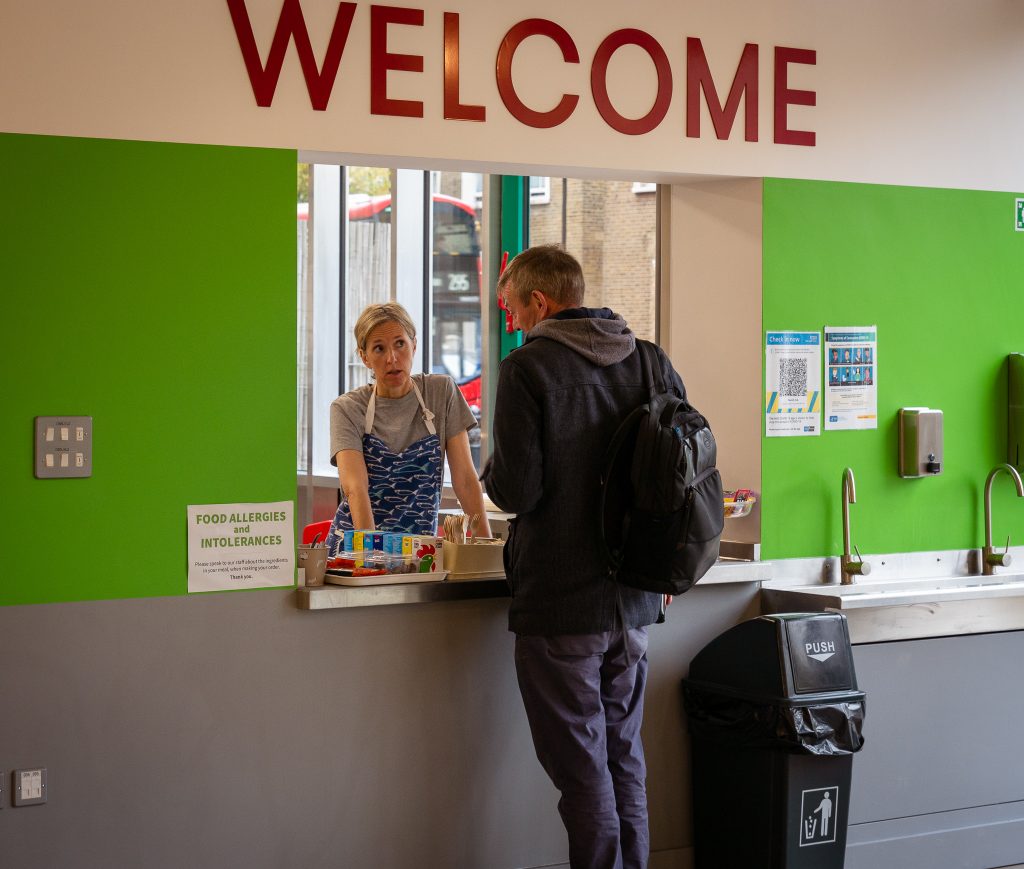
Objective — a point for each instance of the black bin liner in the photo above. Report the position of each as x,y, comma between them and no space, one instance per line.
829,728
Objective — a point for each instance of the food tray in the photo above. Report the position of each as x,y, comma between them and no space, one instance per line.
333,577
737,509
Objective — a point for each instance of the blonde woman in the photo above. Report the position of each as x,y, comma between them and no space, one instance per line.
389,439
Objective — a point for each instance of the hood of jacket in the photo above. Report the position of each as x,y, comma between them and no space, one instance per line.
598,334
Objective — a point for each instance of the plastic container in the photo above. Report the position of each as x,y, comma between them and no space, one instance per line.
735,509
392,554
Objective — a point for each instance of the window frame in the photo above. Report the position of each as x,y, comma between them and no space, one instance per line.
540,194
317,485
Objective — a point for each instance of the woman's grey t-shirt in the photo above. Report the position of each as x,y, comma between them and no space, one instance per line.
399,421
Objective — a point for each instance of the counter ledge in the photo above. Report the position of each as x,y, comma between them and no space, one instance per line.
467,588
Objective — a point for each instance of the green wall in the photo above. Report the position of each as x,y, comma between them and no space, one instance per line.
939,271
152,287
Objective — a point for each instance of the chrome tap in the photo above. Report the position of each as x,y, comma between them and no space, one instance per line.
989,559
850,568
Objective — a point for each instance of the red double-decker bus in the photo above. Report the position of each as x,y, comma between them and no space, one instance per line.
456,276
456,279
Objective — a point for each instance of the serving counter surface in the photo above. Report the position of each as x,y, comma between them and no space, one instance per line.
735,565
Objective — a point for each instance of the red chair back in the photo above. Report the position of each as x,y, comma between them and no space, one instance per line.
311,530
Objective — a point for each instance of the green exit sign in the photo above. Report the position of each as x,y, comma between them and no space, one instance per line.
1020,215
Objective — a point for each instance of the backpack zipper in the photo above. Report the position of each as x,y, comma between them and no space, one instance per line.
691,496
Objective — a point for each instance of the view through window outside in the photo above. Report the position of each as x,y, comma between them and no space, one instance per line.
451,286
609,226
367,260
457,287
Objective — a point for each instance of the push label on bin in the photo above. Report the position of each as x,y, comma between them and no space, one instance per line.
819,654
820,651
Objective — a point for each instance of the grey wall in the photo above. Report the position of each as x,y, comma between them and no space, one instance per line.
940,781
234,730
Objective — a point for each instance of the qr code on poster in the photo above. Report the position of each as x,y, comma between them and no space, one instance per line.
793,377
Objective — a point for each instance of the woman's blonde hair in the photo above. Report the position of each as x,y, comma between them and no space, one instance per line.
378,314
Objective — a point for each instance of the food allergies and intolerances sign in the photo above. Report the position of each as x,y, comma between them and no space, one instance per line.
235,546
851,362
792,388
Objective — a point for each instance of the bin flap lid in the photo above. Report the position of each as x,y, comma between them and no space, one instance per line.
782,656
819,654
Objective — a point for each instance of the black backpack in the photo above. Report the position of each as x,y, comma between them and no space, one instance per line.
661,494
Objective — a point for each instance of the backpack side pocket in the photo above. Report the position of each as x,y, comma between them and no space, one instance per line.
697,548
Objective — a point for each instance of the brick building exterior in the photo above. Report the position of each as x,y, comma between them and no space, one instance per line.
612,231
610,228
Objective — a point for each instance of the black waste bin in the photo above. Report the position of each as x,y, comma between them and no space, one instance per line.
775,717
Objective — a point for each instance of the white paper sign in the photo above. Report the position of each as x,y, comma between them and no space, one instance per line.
851,360
233,546
792,387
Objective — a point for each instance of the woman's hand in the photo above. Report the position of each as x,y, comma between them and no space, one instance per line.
355,485
466,483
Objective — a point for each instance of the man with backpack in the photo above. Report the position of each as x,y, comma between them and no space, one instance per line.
581,636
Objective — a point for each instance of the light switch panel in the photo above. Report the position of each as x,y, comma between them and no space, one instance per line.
63,446
28,786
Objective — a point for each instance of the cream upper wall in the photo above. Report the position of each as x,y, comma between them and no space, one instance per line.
711,320
919,92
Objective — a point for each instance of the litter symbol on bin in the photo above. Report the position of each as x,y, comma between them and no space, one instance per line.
817,814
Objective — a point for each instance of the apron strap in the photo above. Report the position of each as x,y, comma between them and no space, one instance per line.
428,415
370,409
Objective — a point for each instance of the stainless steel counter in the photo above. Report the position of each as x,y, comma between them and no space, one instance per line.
907,595
336,596
734,566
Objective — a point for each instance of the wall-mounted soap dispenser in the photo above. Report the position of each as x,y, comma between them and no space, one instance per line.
920,442
1015,410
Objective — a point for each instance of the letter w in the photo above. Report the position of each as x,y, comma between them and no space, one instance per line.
698,77
319,82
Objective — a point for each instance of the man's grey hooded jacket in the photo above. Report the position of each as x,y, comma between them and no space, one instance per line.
560,398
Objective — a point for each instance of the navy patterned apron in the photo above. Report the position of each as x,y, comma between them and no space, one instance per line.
404,487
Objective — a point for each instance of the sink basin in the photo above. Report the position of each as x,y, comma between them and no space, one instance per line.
895,591
894,609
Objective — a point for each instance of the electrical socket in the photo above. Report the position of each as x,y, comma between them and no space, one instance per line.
63,446
28,786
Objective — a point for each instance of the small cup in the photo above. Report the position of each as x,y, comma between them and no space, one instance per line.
313,560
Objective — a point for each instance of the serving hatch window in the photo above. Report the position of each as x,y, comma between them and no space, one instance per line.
370,234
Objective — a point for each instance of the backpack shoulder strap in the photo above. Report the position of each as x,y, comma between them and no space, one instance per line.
651,367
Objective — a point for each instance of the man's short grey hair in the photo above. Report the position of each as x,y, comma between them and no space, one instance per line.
548,268
378,314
